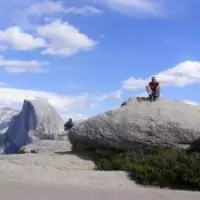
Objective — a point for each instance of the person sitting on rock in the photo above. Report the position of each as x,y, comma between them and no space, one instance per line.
153,89
69,124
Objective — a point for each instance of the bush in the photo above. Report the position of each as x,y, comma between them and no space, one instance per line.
162,167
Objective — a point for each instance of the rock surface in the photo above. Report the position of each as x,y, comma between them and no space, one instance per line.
6,115
139,123
93,187
47,147
37,120
52,158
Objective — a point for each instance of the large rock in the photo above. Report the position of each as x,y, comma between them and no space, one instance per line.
37,120
139,123
6,115
47,147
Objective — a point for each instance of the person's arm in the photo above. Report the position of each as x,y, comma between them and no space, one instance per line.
148,88
158,87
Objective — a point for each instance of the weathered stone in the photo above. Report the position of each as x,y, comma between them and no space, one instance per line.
37,120
6,115
46,147
139,123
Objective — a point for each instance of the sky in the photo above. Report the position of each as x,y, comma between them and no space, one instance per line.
88,56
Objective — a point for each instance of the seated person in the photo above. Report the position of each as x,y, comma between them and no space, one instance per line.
153,89
68,125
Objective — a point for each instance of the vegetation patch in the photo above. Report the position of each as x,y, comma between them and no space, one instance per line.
163,167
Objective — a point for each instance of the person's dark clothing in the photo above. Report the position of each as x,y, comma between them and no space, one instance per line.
68,125
153,86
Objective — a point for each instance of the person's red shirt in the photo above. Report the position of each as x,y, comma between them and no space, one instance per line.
154,85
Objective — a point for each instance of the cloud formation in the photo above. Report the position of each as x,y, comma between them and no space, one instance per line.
19,40
58,38
21,66
64,39
185,73
48,7
132,7
193,103
67,106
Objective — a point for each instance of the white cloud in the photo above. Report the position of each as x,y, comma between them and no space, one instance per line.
67,106
74,116
20,40
85,10
64,39
56,38
45,7
51,7
132,7
134,83
21,66
117,95
183,74
17,96
14,98
193,103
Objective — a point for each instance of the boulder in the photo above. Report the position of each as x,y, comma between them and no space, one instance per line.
140,124
37,120
46,147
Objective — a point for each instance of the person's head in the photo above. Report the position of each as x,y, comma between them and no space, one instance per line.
153,79
70,119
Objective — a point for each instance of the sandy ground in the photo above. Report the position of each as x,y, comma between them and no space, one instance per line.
51,191
61,175
65,169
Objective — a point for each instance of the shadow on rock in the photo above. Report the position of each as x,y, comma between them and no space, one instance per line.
85,155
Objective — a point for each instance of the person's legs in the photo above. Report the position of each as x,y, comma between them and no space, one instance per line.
156,94
149,92
153,95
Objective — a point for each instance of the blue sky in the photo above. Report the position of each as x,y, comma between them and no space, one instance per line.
87,56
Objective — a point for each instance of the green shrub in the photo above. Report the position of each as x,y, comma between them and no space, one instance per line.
162,167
